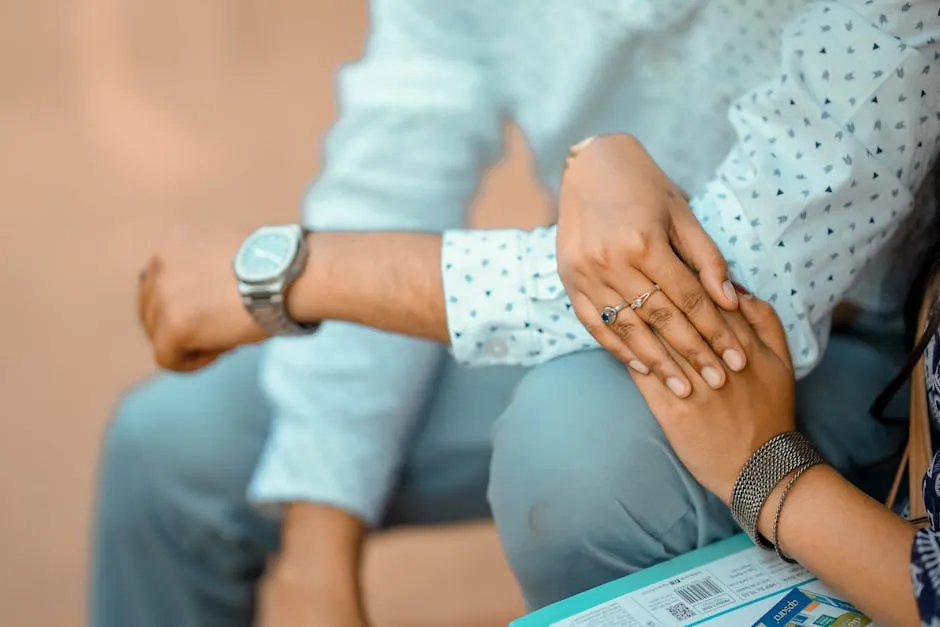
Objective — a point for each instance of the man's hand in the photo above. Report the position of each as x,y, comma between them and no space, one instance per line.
626,235
188,301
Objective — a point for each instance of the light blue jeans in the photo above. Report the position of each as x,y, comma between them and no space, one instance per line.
576,472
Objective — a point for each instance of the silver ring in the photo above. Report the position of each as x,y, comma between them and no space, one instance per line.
640,300
609,314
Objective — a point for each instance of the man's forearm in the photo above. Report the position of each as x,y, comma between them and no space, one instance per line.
386,280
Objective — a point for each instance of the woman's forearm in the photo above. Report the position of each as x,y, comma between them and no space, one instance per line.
851,542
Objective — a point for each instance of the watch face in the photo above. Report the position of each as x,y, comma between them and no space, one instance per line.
265,255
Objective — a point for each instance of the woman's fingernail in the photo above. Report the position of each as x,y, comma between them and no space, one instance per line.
730,293
712,377
639,366
679,387
743,291
734,359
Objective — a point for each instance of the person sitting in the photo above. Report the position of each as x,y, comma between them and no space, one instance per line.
887,566
301,444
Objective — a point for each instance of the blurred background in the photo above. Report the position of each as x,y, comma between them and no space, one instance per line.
121,120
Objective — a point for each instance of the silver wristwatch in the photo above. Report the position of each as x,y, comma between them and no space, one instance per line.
269,260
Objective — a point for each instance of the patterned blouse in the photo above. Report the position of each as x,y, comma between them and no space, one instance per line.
925,553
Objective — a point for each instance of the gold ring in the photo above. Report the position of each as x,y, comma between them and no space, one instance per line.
640,300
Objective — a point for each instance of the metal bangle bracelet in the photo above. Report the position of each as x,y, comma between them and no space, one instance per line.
780,456
783,497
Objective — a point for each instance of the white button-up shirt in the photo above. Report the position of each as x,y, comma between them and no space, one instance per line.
821,178
800,128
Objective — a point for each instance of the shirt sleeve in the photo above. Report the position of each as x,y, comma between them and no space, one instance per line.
828,157
416,128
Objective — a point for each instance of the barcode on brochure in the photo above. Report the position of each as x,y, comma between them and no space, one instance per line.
699,591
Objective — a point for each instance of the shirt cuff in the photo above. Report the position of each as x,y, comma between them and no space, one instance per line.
505,302
294,468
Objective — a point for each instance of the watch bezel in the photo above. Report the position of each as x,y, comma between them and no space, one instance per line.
275,279
264,299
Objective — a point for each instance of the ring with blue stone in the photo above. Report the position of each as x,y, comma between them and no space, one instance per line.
609,314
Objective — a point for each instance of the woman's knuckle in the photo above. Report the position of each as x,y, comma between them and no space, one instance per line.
598,256
719,337
658,364
637,244
660,317
694,356
692,302
581,262
627,330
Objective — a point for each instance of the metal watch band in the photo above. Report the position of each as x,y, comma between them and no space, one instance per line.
273,318
767,467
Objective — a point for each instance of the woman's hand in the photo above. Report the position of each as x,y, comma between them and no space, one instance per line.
714,432
623,229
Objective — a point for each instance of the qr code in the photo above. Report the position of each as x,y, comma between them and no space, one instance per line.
681,611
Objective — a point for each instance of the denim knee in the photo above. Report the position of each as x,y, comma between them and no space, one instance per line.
176,542
177,459
134,457
145,460
583,486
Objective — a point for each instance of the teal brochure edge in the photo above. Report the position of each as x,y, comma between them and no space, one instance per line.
608,591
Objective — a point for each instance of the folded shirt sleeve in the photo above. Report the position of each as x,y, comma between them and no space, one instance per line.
417,127
828,158
505,301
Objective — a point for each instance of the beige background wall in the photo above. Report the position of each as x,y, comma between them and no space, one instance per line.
118,120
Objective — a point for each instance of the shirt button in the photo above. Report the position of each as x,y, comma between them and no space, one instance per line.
496,348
